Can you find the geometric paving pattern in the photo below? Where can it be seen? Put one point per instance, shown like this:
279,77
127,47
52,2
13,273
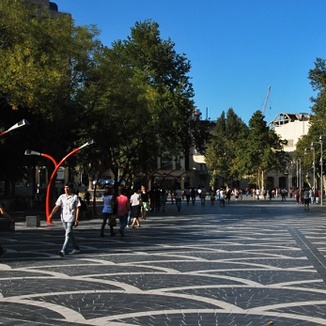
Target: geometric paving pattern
251,263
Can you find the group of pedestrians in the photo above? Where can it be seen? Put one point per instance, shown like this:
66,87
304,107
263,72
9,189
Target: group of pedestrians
127,210
306,196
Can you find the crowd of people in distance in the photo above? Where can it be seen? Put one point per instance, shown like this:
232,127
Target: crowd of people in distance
131,206
142,201
305,196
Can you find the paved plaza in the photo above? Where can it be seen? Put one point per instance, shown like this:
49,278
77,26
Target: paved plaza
254,263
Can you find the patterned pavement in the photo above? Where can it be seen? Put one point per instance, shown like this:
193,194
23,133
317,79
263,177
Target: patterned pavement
254,263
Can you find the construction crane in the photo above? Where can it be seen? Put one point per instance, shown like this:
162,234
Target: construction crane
266,100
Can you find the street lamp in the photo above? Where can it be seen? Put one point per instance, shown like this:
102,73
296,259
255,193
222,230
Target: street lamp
299,174
17,125
312,147
56,167
321,170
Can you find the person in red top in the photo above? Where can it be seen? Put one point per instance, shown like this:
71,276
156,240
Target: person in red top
122,202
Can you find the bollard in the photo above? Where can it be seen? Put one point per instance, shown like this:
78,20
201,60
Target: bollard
33,221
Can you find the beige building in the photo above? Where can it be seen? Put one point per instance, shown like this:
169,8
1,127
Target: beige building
185,170
290,127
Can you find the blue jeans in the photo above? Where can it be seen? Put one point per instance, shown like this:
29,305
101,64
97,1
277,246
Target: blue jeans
106,218
69,236
178,203
123,223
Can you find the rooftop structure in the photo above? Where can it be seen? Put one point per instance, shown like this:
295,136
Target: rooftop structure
291,127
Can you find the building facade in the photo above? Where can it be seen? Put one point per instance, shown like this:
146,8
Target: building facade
290,127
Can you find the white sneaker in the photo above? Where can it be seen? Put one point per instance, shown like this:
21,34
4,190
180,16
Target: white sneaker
74,251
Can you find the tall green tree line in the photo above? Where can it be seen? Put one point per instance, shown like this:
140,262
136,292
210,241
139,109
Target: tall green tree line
309,147
237,151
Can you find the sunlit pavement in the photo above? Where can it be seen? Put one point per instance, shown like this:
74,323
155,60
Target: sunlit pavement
250,263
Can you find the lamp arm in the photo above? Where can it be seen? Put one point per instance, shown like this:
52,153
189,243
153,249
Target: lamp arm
50,158
48,192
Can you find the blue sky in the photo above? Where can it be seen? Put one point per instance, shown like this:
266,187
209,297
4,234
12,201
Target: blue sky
237,48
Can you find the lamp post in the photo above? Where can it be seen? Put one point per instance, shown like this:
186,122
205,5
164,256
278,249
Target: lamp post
312,148
56,167
299,176
17,125
313,166
321,170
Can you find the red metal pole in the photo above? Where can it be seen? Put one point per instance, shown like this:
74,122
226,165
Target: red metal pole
48,191
3,133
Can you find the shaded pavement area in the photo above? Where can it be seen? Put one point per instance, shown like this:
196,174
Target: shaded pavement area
251,263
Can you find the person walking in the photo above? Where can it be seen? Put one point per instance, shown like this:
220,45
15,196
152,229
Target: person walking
145,202
5,214
69,204
87,197
135,203
306,199
222,198
164,195
203,196
178,198
187,193
193,195
122,203
108,202
297,196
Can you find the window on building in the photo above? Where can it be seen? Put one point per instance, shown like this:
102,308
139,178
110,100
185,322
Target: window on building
178,162
166,162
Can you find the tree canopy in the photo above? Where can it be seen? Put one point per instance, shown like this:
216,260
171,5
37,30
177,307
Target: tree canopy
236,151
308,147
220,154
134,99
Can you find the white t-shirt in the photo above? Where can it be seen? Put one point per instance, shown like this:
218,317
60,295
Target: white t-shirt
178,194
134,199
68,206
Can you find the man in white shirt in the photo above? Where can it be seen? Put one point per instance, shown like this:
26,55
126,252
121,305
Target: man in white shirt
70,205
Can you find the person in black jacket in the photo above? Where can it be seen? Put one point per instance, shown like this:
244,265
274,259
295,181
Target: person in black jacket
5,214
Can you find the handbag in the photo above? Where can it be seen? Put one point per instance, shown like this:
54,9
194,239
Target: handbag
112,221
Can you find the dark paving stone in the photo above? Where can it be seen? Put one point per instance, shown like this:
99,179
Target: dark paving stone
249,263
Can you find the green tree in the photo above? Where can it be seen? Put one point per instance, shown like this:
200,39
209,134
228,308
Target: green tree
317,78
134,99
44,62
220,155
152,106
259,152
164,75
317,128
